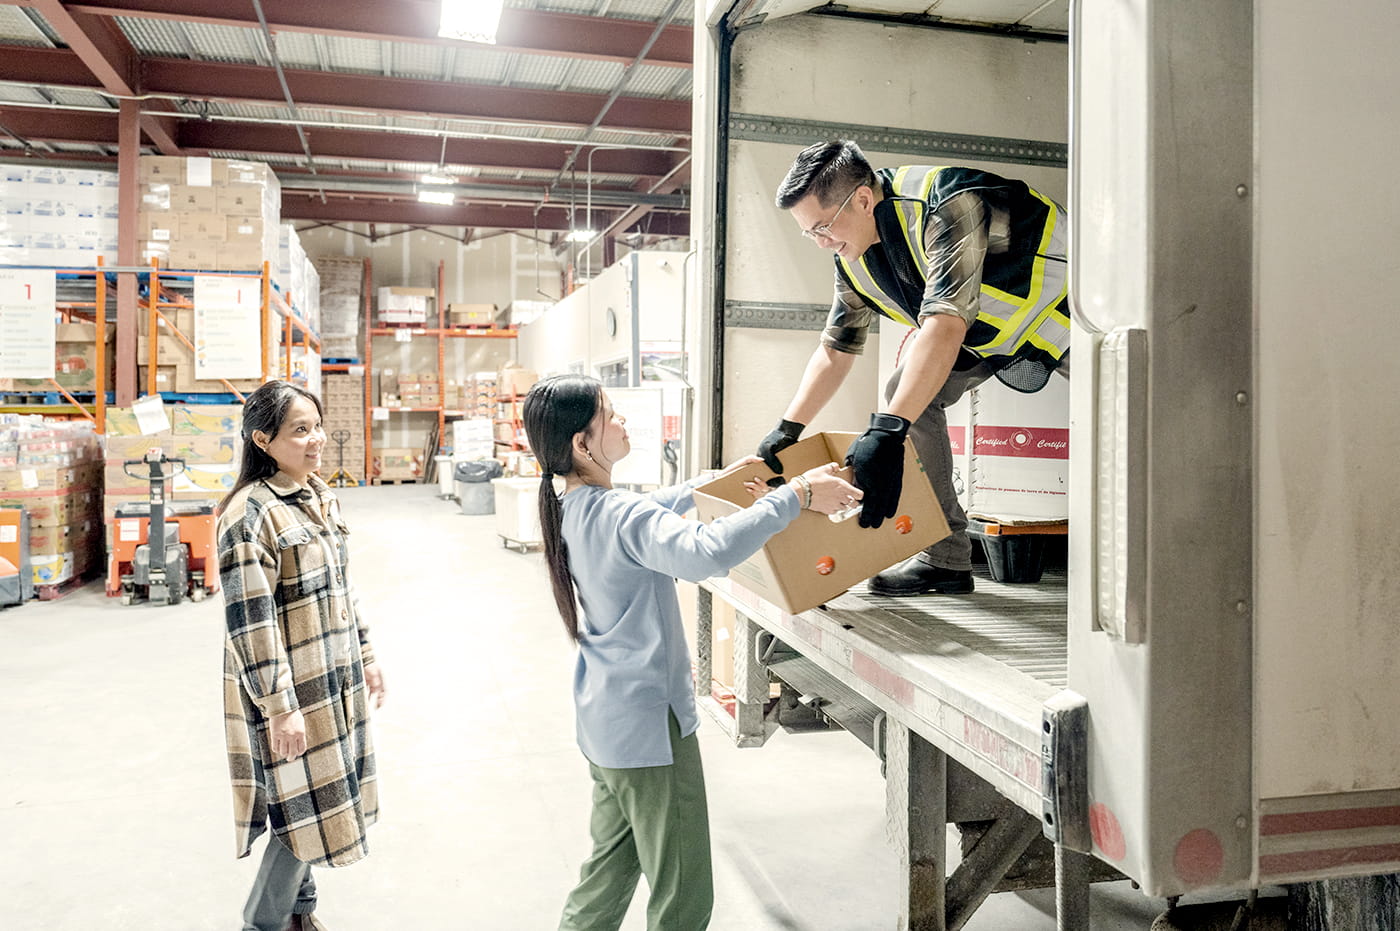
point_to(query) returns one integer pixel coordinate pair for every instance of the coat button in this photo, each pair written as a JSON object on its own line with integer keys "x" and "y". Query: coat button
{"x": 344, "y": 614}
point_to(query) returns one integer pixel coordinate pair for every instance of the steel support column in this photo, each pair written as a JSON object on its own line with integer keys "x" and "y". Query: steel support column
{"x": 128, "y": 203}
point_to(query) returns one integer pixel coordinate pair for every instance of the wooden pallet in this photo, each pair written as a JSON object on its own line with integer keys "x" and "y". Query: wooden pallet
{"x": 396, "y": 481}
{"x": 58, "y": 589}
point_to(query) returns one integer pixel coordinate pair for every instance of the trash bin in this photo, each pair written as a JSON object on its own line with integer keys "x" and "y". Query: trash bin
{"x": 473, "y": 482}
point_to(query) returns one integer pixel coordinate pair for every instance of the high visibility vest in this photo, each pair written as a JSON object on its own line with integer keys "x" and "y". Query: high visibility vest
{"x": 1022, "y": 309}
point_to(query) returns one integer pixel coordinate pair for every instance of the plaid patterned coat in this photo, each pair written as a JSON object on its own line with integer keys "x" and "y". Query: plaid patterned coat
{"x": 295, "y": 641}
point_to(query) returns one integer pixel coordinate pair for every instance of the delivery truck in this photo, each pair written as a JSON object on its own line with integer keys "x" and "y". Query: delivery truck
{"x": 1204, "y": 700}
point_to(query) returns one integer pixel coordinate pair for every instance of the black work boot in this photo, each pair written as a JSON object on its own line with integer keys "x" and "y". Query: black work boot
{"x": 916, "y": 577}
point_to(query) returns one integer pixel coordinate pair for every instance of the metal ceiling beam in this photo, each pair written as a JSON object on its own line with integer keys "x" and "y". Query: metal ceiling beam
{"x": 346, "y": 210}
{"x": 377, "y": 94}
{"x": 209, "y": 80}
{"x": 99, "y": 45}
{"x": 532, "y": 32}
{"x": 195, "y": 136}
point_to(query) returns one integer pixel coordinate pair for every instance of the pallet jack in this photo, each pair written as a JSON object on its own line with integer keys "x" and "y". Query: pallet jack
{"x": 340, "y": 478}
{"x": 183, "y": 563}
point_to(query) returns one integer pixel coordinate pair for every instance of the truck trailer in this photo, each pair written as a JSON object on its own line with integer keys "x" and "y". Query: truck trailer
{"x": 1204, "y": 700}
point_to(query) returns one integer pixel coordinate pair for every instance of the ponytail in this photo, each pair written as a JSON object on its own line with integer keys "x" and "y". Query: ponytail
{"x": 555, "y": 411}
{"x": 556, "y": 555}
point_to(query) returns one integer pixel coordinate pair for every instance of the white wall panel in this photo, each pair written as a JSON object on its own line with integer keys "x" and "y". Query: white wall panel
{"x": 1328, "y": 249}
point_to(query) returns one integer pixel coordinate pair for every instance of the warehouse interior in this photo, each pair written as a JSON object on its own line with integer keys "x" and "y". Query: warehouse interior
{"x": 415, "y": 220}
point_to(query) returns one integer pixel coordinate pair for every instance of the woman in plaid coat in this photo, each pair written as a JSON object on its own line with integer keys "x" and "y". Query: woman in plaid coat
{"x": 297, "y": 663}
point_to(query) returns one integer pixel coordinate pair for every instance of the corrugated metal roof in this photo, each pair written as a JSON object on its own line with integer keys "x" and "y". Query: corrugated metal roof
{"x": 224, "y": 43}
{"x": 355, "y": 55}
{"x": 80, "y": 98}
{"x": 18, "y": 29}
{"x": 18, "y": 94}
{"x": 153, "y": 37}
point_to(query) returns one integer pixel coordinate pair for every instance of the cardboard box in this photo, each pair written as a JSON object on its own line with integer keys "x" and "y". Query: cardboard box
{"x": 157, "y": 226}
{"x": 75, "y": 360}
{"x": 166, "y": 376}
{"x": 241, "y": 229}
{"x": 204, "y": 227}
{"x": 397, "y": 464}
{"x": 514, "y": 380}
{"x": 206, "y": 419}
{"x": 461, "y": 315}
{"x": 187, "y": 199}
{"x": 240, "y": 200}
{"x": 814, "y": 559}
{"x": 1019, "y": 455}
{"x": 166, "y": 169}
{"x": 210, "y": 449}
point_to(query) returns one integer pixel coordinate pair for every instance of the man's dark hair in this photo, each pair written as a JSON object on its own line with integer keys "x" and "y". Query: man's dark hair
{"x": 830, "y": 170}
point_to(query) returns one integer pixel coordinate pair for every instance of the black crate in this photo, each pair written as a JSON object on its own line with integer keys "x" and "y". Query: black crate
{"x": 1012, "y": 557}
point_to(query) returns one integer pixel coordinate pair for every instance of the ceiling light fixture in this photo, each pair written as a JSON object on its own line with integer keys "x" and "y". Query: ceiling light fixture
{"x": 437, "y": 178}
{"x": 470, "y": 20}
{"x": 581, "y": 235}
{"x": 444, "y": 198}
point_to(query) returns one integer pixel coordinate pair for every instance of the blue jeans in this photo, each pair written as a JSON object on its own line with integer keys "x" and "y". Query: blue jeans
{"x": 283, "y": 887}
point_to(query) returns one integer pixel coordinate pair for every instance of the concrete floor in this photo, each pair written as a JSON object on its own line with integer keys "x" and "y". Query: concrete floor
{"x": 115, "y": 810}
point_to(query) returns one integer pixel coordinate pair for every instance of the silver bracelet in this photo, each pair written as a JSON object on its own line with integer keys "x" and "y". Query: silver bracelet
{"x": 806, "y": 491}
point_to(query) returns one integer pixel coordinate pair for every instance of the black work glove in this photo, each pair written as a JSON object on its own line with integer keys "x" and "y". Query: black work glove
{"x": 876, "y": 459}
{"x": 783, "y": 435}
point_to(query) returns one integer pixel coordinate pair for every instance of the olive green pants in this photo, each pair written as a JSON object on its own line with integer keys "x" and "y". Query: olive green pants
{"x": 650, "y": 821}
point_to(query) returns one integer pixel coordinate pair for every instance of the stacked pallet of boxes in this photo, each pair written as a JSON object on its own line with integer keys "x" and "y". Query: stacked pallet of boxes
{"x": 206, "y": 436}
{"x": 75, "y": 361}
{"x": 343, "y": 397}
{"x": 53, "y": 470}
{"x": 208, "y": 213}
{"x": 341, "y": 305}
{"x": 176, "y": 369}
{"x": 296, "y": 276}
{"x": 57, "y": 217}
{"x": 400, "y": 305}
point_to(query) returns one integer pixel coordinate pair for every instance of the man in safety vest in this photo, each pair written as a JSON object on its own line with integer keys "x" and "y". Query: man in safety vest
{"x": 977, "y": 263}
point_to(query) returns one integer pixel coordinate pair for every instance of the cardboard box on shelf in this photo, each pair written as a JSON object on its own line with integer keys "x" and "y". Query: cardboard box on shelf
{"x": 404, "y": 316}
{"x": 240, "y": 200}
{"x": 157, "y": 225}
{"x": 204, "y": 227}
{"x": 240, "y": 229}
{"x": 187, "y": 199}
{"x": 181, "y": 318}
{"x": 166, "y": 378}
{"x": 209, "y": 449}
{"x": 241, "y": 255}
{"x": 165, "y": 169}
{"x": 461, "y": 315}
{"x": 171, "y": 349}
{"x": 206, "y": 419}
{"x": 75, "y": 360}
{"x": 815, "y": 559}
{"x": 512, "y": 379}
{"x": 398, "y": 464}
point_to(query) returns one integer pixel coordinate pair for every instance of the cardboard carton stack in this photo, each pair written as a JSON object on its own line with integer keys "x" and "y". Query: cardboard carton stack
{"x": 514, "y": 381}
{"x": 399, "y": 305}
{"x": 75, "y": 361}
{"x": 53, "y": 471}
{"x": 480, "y": 394}
{"x": 208, "y": 213}
{"x": 343, "y": 397}
{"x": 296, "y": 276}
{"x": 409, "y": 389}
{"x": 206, "y": 436}
{"x": 57, "y": 217}
{"x": 341, "y": 305}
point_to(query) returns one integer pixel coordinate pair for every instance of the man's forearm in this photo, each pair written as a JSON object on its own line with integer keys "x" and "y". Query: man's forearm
{"x": 826, "y": 371}
{"x": 931, "y": 358}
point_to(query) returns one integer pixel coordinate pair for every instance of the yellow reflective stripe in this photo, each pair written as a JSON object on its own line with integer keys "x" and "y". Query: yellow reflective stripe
{"x": 1015, "y": 323}
{"x": 864, "y": 284}
{"x": 912, "y": 216}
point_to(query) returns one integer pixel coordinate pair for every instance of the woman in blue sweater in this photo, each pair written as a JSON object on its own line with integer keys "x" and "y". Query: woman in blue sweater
{"x": 616, "y": 555}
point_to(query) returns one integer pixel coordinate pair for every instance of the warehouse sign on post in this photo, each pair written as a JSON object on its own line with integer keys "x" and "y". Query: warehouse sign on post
{"x": 26, "y": 323}
{"x": 227, "y": 327}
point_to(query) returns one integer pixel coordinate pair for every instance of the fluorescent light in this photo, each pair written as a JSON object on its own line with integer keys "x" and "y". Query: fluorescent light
{"x": 445, "y": 198}
{"x": 431, "y": 178}
{"x": 581, "y": 235}
{"x": 470, "y": 20}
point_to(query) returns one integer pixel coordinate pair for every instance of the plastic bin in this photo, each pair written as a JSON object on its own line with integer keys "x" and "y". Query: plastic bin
{"x": 473, "y": 483}
{"x": 518, "y": 512}
{"x": 1011, "y": 557}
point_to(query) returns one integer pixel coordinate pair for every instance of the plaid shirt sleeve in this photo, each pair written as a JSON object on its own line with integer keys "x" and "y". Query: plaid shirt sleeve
{"x": 248, "y": 569}
{"x": 955, "y": 239}
{"x": 849, "y": 320}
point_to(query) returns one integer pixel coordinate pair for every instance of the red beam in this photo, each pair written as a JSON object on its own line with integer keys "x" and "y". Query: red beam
{"x": 221, "y": 81}
{"x": 528, "y": 31}
{"x": 343, "y": 209}
{"x": 194, "y": 136}
{"x": 383, "y": 146}
{"x": 99, "y": 43}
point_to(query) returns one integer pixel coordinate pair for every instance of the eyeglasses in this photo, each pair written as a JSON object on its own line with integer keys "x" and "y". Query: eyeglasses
{"x": 823, "y": 231}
